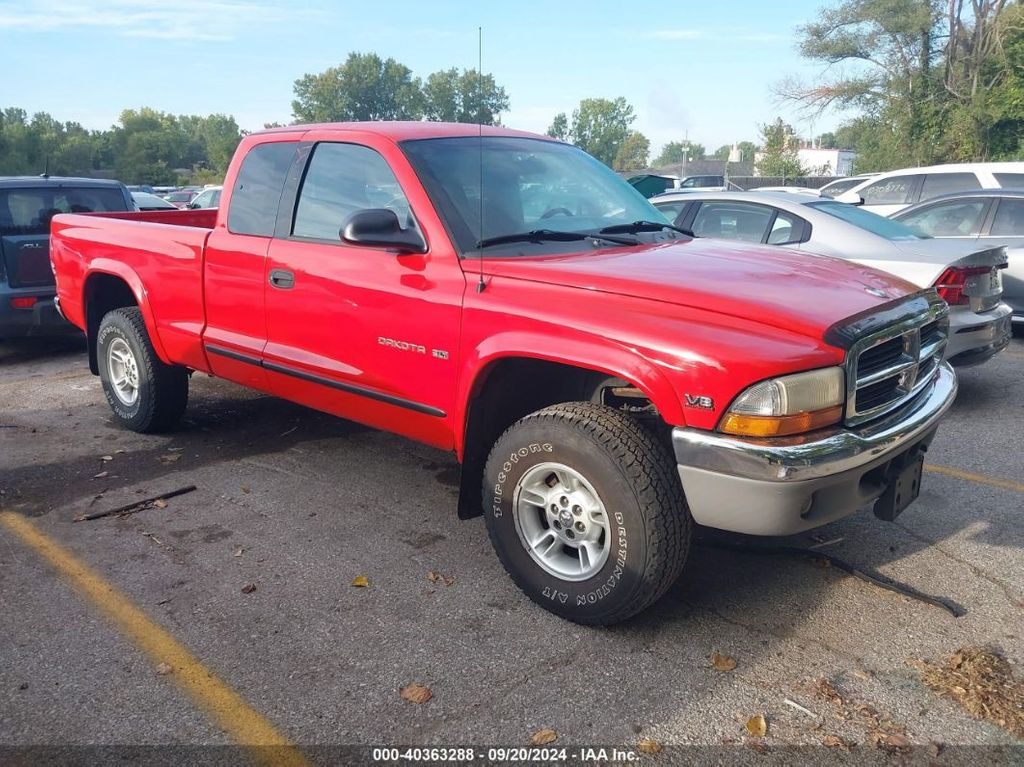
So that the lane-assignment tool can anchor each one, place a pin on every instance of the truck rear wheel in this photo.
(586, 512)
(145, 394)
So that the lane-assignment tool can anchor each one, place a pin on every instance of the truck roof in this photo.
(403, 130)
(21, 182)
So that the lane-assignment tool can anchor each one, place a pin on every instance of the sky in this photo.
(701, 71)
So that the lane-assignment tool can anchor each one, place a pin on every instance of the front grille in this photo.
(890, 366)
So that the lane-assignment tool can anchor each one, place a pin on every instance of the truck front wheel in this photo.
(586, 512)
(145, 394)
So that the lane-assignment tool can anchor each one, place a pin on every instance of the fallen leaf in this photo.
(170, 457)
(106, 458)
(246, 489)
(238, 553)
(360, 581)
(163, 669)
(825, 689)
(101, 475)
(160, 503)
(834, 741)
(435, 577)
(248, 588)
(416, 693)
(757, 726)
(897, 741)
(648, 746)
(722, 662)
(543, 737)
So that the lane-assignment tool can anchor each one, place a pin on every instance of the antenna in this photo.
(46, 167)
(480, 285)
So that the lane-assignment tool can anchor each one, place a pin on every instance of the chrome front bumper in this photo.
(785, 486)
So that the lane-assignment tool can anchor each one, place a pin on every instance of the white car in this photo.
(966, 274)
(208, 198)
(889, 193)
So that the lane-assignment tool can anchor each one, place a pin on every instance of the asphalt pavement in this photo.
(251, 572)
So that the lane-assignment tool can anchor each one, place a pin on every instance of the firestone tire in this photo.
(145, 394)
(556, 466)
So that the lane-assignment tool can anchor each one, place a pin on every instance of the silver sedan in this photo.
(966, 274)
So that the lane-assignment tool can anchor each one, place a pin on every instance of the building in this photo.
(826, 162)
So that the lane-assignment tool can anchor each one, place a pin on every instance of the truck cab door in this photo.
(364, 332)
(234, 274)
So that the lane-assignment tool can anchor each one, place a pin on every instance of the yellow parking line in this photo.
(243, 723)
(1005, 484)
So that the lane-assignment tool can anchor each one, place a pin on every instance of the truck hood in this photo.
(769, 285)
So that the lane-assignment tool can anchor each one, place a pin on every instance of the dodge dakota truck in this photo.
(606, 381)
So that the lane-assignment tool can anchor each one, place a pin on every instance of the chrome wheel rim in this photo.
(124, 371)
(562, 522)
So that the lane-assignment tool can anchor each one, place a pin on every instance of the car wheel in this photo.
(586, 512)
(145, 394)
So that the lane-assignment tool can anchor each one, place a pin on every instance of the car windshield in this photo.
(865, 219)
(28, 211)
(529, 185)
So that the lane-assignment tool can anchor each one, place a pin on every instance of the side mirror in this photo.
(380, 228)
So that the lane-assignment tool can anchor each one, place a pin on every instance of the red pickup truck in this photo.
(605, 380)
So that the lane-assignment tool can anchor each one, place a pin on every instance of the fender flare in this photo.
(126, 274)
(601, 355)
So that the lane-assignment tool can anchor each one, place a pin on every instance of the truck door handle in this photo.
(282, 278)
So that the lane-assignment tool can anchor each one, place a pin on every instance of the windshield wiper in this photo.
(550, 235)
(643, 226)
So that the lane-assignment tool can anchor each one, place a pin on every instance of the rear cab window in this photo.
(256, 195)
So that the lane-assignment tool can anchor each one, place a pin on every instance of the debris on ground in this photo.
(543, 737)
(801, 709)
(879, 730)
(360, 581)
(835, 741)
(157, 501)
(248, 588)
(982, 682)
(648, 746)
(436, 577)
(169, 457)
(416, 693)
(757, 726)
(722, 662)
(163, 669)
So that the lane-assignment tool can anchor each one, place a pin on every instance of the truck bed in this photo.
(144, 249)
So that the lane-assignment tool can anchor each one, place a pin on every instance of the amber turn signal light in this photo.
(781, 425)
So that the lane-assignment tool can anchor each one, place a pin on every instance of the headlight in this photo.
(788, 405)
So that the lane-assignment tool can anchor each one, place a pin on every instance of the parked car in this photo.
(181, 197)
(144, 201)
(208, 198)
(700, 182)
(986, 217)
(840, 185)
(27, 204)
(141, 188)
(889, 193)
(788, 190)
(605, 380)
(966, 274)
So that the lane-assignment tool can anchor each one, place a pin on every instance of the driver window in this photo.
(342, 179)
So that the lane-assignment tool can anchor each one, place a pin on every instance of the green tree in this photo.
(559, 127)
(747, 150)
(633, 152)
(463, 97)
(365, 87)
(778, 150)
(598, 126)
(674, 151)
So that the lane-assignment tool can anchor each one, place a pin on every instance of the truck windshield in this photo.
(528, 185)
(28, 211)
